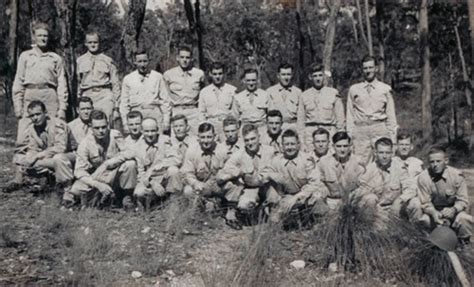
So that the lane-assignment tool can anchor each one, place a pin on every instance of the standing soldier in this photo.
(370, 110)
(272, 136)
(231, 132)
(216, 101)
(184, 83)
(144, 90)
(252, 103)
(284, 96)
(40, 76)
(98, 79)
(319, 107)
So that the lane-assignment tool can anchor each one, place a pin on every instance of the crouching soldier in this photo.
(241, 175)
(157, 161)
(442, 191)
(101, 164)
(201, 165)
(42, 150)
(287, 175)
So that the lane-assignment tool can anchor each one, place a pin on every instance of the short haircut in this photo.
(205, 127)
(274, 113)
(140, 51)
(383, 141)
(290, 133)
(35, 104)
(216, 66)
(150, 119)
(134, 115)
(39, 25)
(250, 71)
(230, 120)
(85, 99)
(179, 117)
(285, 66)
(98, 115)
(248, 128)
(186, 48)
(321, 131)
(437, 149)
(316, 67)
(339, 136)
(93, 32)
(403, 135)
(368, 58)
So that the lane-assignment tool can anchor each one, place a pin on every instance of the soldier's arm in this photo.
(349, 116)
(232, 168)
(202, 107)
(339, 111)
(124, 101)
(188, 169)
(408, 186)
(300, 115)
(114, 79)
(165, 105)
(79, 78)
(391, 117)
(62, 89)
(424, 194)
(18, 88)
(462, 197)
(60, 139)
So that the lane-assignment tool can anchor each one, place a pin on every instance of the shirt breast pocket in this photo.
(310, 106)
(196, 86)
(176, 86)
(102, 68)
(326, 112)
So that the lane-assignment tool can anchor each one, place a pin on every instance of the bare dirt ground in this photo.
(42, 245)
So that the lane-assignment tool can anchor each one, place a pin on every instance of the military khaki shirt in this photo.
(252, 107)
(217, 102)
(276, 143)
(77, 132)
(184, 86)
(285, 100)
(182, 146)
(414, 165)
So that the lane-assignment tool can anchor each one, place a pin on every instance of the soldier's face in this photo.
(217, 76)
(40, 38)
(252, 141)
(141, 62)
(92, 43)
(100, 129)
(342, 149)
(180, 128)
(184, 59)
(291, 147)
(37, 116)
(318, 79)
(206, 140)
(369, 70)
(84, 110)
(135, 126)
(150, 131)
(404, 147)
(250, 81)
(274, 125)
(231, 133)
(321, 144)
(383, 154)
(438, 162)
(285, 76)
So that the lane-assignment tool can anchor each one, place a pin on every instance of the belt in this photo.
(257, 123)
(370, 123)
(99, 88)
(290, 121)
(319, 124)
(39, 86)
(186, 106)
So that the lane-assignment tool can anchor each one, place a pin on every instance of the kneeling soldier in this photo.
(101, 163)
(158, 173)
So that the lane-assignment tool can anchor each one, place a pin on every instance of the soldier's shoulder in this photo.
(307, 92)
(332, 91)
(82, 57)
(273, 89)
(155, 73)
(454, 172)
(115, 134)
(59, 123)
(105, 58)
(383, 86)
(197, 71)
(261, 92)
(424, 177)
(230, 88)
(414, 160)
(170, 71)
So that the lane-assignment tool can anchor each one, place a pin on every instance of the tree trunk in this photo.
(361, 24)
(197, 12)
(369, 29)
(12, 52)
(426, 73)
(329, 41)
(301, 45)
(379, 18)
(470, 5)
(133, 25)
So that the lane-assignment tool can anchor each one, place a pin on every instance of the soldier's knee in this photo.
(188, 191)
(128, 166)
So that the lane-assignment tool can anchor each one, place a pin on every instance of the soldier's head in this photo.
(179, 124)
(92, 41)
(274, 122)
(231, 129)
(84, 109)
(40, 35)
(100, 125)
(317, 76)
(250, 79)
(134, 123)
(185, 57)
(321, 141)
(217, 73)
(150, 130)
(291, 143)
(438, 160)
(206, 136)
(342, 144)
(285, 74)
(141, 61)
(404, 144)
(369, 68)
(37, 113)
(383, 151)
(251, 138)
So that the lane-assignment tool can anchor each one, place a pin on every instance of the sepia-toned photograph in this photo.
(253, 143)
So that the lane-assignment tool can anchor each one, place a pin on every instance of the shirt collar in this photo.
(370, 84)
(281, 88)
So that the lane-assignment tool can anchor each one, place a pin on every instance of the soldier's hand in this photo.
(437, 218)
(112, 163)
(30, 161)
(61, 114)
(104, 188)
(448, 212)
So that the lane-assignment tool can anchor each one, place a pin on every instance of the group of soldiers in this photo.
(278, 150)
